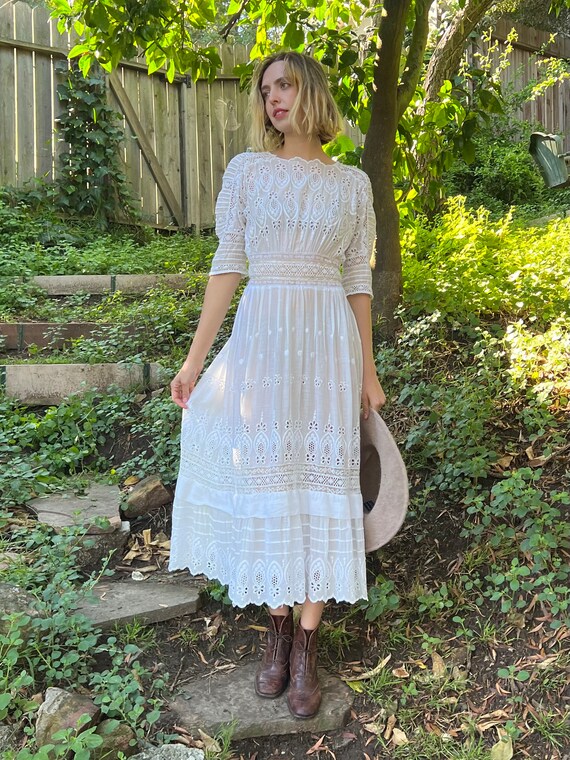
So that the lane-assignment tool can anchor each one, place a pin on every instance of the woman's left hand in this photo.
(373, 397)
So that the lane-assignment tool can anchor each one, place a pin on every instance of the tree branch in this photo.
(448, 51)
(232, 21)
(415, 57)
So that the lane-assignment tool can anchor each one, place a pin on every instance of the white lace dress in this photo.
(268, 498)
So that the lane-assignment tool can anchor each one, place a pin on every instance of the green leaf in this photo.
(364, 121)
(293, 36)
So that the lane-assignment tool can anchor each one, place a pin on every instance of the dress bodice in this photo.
(295, 221)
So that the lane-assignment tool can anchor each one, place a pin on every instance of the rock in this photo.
(170, 752)
(7, 559)
(94, 549)
(7, 739)
(13, 600)
(116, 739)
(231, 696)
(149, 494)
(62, 709)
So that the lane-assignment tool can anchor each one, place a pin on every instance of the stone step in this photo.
(98, 510)
(101, 502)
(18, 336)
(121, 602)
(69, 284)
(46, 384)
(222, 698)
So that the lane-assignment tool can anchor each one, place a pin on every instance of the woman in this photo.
(268, 498)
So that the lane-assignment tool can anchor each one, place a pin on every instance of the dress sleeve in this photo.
(356, 272)
(230, 221)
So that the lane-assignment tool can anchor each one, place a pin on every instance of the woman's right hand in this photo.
(184, 383)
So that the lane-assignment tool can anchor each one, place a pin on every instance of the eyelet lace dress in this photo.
(268, 497)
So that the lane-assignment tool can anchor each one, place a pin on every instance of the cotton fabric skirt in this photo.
(268, 498)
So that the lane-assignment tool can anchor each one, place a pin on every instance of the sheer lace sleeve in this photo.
(356, 272)
(230, 221)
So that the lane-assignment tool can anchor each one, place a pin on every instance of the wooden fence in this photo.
(179, 136)
(551, 110)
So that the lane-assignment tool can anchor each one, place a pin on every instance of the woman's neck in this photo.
(300, 146)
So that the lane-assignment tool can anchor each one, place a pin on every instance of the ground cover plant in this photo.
(36, 241)
(461, 651)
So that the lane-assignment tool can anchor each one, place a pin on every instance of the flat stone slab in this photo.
(45, 384)
(209, 704)
(63, 510)
(120, 602)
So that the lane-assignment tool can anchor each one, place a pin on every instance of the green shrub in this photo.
(469, 268)
(502, 174)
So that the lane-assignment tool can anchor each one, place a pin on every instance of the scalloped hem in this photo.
(274, 602)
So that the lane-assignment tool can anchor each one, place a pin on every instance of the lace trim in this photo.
(266, 562)
(295, 272)
(292, 455)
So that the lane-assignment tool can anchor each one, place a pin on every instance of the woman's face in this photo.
(279, 94)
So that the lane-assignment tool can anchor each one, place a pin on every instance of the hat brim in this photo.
(383, 480)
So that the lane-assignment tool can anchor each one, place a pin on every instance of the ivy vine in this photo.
(90, 180)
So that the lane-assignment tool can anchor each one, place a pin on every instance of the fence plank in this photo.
(25, 112)
(130, 150)
(43, 88)
(146, 146)
(190, 154)
(242, 141)
(204, 154)
(167, 124)
(7, 113)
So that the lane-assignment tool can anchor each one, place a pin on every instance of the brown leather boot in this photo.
(273, 675)
(304, 697)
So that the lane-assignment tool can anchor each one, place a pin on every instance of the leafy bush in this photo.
(468, 267)
(37, 242)
(502, 174)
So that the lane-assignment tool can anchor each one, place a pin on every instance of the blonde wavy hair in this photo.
(314, 110)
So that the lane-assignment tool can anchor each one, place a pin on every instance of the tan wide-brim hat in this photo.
(383, 482)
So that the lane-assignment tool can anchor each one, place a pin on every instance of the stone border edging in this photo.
(46, 384)
(68, 284)
(18, 336)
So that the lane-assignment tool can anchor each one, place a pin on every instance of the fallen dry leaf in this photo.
(438, 667)
(390, 723)
(400, 673)
(489, 720)
(316, 747)
(399, 737)
(503, 749)
(373, 672)
(374, 728)
(210, 744)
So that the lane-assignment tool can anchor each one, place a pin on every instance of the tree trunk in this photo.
(377, 161)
